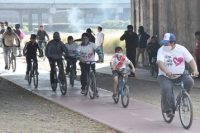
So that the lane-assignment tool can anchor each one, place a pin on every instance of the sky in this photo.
(64, 1)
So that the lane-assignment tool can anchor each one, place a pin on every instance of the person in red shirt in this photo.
(197, 50)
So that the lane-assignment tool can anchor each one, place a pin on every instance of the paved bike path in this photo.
(139, 117)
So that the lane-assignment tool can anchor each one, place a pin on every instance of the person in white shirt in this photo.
(171, 60)
(72, 49)
(86, 53)
(118, 65)
(100, 39)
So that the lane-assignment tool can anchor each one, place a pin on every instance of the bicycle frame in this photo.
(177, 98)
(121, 83)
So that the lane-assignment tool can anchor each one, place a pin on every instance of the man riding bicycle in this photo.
(118, 64)
(41, 34)
(171, 60)
(8, 41)
(54, 51)
(86, 53)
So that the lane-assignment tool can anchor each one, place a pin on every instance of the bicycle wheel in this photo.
(63, 83)
(13, 63)
(125, 96)
(165, 117)
(72, 77)
(92, 85)
(35, 78)
(186, 111)
(29, 77)
(54, 82)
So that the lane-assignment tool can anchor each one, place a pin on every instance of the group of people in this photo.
(171, 57)
(136, 45)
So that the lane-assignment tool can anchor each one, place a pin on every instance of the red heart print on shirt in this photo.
(177, 60)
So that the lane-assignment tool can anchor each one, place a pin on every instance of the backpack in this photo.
(121, 62)
(21, 35)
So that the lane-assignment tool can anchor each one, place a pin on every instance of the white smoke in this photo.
(75, 19)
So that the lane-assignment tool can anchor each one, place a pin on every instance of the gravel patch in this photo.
(23, 112)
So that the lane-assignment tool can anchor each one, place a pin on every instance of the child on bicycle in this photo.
(118, 65)
(72, 49)
(86, 52)
(30, 51)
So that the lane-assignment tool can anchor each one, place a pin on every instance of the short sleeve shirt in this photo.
(175, 59)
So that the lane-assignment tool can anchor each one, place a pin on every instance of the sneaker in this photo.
(114, 96)
(132, 75)
(20, 55)
(169, 113)
(82, 91)
(26, 77)
(6, 67)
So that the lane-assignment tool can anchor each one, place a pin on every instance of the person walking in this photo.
(100, 39)
(131, 40)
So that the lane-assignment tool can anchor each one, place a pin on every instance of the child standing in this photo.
(118, 65)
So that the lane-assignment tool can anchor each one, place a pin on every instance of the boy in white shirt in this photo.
(86, 53)
(72, 49)
(118, 65)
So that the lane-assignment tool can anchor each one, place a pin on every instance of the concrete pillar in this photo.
(21, 18)
(145, 14)
(50, 21)
(39, 18)
(30, 22)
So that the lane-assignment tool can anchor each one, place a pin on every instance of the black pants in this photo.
(70, 61)
(85, 69)
(28, 61)
(52, 63)
(131, 55)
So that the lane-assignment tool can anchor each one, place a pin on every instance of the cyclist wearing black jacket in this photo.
(54, 51)
(30, 51)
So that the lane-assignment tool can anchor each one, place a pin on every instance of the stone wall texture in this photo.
(180, 17)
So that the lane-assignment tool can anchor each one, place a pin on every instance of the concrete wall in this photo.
(180, 17)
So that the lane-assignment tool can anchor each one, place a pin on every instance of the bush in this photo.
(115, 24)
(111, 42)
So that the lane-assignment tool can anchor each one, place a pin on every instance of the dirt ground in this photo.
(23, 112)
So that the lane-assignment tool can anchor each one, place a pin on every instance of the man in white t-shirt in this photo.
(100, 39)
(171, 60)
(118, 65)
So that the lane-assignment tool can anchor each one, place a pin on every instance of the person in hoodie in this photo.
(54, 51)
(142, 43)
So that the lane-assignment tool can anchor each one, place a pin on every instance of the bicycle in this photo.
(72, 72)
(183, 105)
(12, 59)
(42, 45)
(154, 67)
(59, 77)
(91, 82)
(33, 73)
(122, 89)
